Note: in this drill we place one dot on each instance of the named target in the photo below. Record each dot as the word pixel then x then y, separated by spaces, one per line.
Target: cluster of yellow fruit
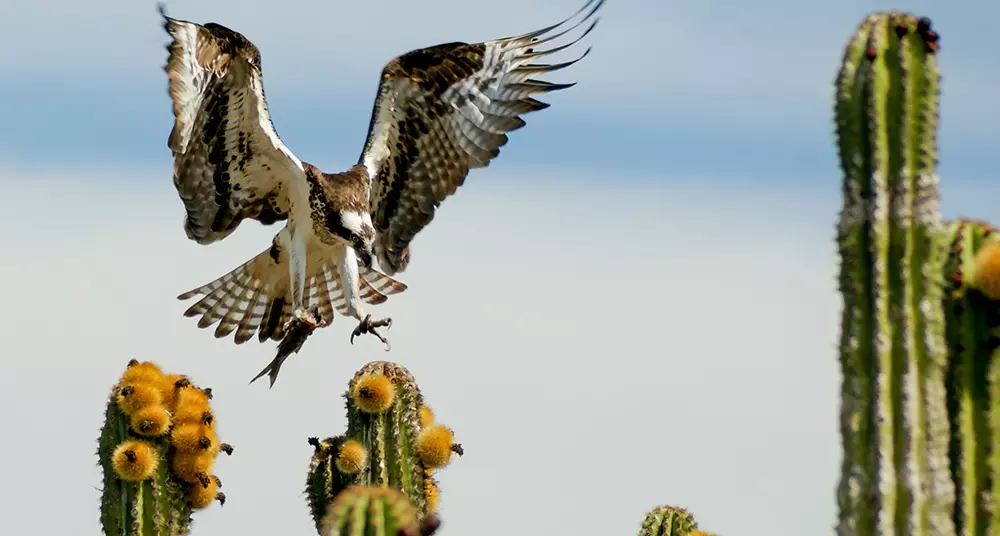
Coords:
pixel 434 444
pixel 159 404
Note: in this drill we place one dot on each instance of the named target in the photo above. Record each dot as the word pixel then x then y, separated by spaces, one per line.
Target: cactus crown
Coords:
pixel 157 450
pixel 391 441
pixel 668 521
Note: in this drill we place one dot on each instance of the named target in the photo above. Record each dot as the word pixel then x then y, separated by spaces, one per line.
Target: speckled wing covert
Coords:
pixel 229 162
pixel 443 110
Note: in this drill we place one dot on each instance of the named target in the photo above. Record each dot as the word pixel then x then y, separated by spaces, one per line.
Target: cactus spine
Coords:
pixel 391 441
pixel 141 442
pixel 668 521
pixel 893 356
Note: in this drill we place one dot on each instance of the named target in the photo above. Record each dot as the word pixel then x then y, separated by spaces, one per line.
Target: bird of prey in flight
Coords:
pixel 438 112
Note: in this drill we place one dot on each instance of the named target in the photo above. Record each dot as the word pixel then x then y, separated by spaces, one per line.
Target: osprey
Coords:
pixel 439 112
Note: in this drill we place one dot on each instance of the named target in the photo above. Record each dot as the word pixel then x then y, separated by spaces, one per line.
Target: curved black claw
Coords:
pixel 367 325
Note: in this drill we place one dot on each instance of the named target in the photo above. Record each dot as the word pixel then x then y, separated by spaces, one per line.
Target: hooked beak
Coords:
pixel 364 256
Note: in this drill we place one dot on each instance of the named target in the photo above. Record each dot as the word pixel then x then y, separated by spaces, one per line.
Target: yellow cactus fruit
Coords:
pixel 135 396
pixel 986 270
pixel 134 461
pixel 426 416
pixel 188 414
pixel 435 445
pixel 145 372
pixel 191 399
pixel 202 496
pixel 194 437
pixel 193 467
pixel 151 421
pixel 170 385
pixel 352 457
pixel 373 393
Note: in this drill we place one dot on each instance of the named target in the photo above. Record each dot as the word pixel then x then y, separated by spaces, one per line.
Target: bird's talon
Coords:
pixel 367 325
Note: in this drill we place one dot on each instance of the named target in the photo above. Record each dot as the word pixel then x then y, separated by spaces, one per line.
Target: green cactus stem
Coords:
pixel 894 413
pixel 668 521
pixel 972 321
pixel 142 495
pixel 380 445
pixel 375 511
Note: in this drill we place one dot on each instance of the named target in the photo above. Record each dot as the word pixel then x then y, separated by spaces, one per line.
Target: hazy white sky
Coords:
pixel 635 304
pixel 597 352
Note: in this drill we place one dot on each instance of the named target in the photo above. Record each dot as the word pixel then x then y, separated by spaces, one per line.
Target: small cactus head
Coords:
pixel 364 509
pixel 668 520
pixel 973 258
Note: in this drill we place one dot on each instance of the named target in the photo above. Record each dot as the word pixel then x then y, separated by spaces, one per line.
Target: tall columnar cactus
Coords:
pixel 157 450
pixel 375 511
pixel 894 424
pixel 668 521
pixel 391 441
pixel 973 317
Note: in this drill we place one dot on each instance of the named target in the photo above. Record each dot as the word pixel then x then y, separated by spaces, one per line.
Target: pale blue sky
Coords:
pixel 636 303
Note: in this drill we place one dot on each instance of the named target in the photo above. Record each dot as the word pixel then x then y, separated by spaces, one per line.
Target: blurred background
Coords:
pixel 635 304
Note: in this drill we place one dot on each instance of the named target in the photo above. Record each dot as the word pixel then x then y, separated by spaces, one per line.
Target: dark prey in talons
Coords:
pixel 298 329
pixel 367 325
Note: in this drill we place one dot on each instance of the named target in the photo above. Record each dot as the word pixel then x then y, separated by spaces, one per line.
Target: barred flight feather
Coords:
pixel 443 110
pixel 229 163
pixel 256 297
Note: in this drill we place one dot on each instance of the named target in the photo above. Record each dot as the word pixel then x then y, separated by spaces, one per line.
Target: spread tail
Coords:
pixel 256 296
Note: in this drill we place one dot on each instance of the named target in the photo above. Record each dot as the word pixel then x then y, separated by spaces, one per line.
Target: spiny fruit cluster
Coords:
pixel 392 440
pixel 169 406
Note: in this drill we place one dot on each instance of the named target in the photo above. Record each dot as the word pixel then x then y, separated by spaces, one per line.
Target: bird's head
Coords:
pixel 360 234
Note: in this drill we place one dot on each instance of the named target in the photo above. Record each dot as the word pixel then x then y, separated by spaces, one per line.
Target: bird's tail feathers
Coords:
pixel 253 297
pixel 256 297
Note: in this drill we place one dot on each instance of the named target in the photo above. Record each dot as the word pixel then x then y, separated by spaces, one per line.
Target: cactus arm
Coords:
pixel 411 472
pixel 972 339
pixel 992 430
pixel 894 417
pixel 855 281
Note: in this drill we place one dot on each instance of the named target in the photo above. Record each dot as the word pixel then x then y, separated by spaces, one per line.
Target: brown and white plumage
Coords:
pixel 442 111
pixel 439 112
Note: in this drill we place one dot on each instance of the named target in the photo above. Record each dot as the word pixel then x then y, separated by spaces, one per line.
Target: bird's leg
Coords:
pixel 350 282
pixel 368 325
pixel 297 279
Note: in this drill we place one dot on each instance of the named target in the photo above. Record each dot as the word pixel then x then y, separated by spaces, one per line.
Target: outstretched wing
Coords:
pixel 229 163
pixel 441 111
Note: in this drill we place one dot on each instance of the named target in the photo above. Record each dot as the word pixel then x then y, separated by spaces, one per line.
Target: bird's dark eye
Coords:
pixel 355 239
